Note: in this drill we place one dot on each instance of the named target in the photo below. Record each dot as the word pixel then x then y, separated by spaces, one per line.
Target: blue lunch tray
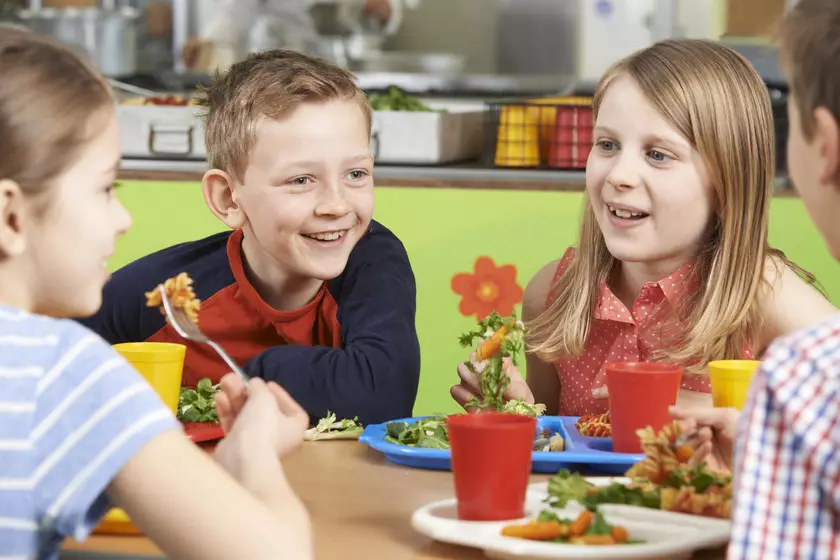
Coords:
pixel 581 453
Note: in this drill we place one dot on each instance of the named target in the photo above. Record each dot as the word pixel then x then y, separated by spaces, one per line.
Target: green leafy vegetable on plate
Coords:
pixel 427 433
pixel 330 427
pixel 566 486
pixel 197 405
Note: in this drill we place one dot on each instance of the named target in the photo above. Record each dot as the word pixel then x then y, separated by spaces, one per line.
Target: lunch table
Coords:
pixel 360 503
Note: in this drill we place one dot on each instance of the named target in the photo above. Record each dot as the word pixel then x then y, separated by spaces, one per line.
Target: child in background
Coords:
pixel 308 290
pixel 79 428
pixel 787 442
pixel 673 262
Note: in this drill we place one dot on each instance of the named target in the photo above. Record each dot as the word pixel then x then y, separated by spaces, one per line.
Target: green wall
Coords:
pixel 444 231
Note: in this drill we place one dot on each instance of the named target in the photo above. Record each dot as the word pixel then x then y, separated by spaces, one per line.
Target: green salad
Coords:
pixel 330 427
pixel 197 405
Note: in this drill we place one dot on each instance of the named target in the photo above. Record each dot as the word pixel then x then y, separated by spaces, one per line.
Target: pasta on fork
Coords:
pixel 180 292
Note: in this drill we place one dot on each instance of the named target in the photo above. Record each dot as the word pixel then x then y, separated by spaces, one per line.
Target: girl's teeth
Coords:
pixel 331 236
pixel 621 213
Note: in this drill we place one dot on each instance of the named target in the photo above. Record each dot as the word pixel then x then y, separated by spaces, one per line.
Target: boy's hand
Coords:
pixel 469 386
pixel 265 414
pixel 711 432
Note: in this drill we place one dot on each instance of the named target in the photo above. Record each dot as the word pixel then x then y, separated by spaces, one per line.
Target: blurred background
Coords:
pixel 456 55
pixel 552 39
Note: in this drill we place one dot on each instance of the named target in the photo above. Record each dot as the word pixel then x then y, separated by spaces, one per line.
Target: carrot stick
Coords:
pixel 581 524
pixel 536 531
pixel 493 345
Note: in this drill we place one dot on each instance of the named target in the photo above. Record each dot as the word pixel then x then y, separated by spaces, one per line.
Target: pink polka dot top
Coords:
pixel 619 334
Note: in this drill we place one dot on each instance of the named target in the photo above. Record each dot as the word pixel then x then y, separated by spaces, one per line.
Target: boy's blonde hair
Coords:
pixel 717 100
pixel 48 96
pixel 810 41
pixel 270 84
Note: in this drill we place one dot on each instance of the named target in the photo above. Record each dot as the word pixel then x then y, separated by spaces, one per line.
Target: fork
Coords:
pixel 186 328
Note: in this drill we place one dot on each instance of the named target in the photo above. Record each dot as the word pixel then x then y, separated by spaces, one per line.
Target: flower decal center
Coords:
pixel 488 288
pixel 488 291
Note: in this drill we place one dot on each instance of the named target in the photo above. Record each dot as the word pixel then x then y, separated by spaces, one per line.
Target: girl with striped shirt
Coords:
pixel 80 430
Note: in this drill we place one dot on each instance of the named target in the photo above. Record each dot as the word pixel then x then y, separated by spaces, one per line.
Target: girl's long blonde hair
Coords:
pixel 717 101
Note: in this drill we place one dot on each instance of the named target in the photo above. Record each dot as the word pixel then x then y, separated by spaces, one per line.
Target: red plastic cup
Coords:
pixel 491 464
pixel 640 394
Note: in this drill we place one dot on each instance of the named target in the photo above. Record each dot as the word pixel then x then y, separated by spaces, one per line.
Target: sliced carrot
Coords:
pixel 493 345
pixel 536 531
pixel 581 524
pixel 619 534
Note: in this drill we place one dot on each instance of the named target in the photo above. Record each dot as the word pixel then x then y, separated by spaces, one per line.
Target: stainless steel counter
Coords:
pixel 470 175
pixel 393 172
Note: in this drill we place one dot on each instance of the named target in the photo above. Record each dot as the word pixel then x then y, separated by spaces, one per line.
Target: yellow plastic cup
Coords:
pixel 161 364
pixel 518 137
pixel 731 381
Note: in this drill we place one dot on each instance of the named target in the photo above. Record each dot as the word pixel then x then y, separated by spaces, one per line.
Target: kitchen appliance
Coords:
pixel 107 35
pixel 609 30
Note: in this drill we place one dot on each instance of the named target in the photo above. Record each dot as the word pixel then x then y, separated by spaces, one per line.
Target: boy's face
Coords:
pixel 812 165
pixel 307 192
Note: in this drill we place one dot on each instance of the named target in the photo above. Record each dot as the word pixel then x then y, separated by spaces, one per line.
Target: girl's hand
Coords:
pixel 469 386
pixel 711 432
pixel 264 415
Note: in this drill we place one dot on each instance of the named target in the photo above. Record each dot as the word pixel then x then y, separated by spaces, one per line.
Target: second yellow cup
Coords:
pixel 161 364
pixel 730 381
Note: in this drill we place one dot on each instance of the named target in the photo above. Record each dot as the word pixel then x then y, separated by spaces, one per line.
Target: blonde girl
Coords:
pixel 673 262
pixel 80 430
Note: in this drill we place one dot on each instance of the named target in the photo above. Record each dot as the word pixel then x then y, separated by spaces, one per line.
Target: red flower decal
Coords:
pixel 489 288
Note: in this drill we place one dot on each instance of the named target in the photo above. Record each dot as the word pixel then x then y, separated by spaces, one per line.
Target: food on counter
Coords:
pixel 330 427
pixel 589 528
pixel 501 337
pixel 180 292
pixel 595 425
pixel 662 480
pixel 197 405
pixel 395 99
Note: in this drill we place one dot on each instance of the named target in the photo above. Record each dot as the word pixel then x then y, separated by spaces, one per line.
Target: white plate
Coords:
pixel 666 534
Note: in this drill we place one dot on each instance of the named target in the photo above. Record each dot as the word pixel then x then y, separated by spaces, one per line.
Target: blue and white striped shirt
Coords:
pixel 72 412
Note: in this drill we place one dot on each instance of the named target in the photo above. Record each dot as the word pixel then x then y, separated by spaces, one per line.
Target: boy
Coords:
pixel 307 290
pixel 787 501
pixel 787 448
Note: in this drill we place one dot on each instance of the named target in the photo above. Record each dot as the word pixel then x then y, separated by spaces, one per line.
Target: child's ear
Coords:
pixel 12 240
pixel 218 190
pixel 827 139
